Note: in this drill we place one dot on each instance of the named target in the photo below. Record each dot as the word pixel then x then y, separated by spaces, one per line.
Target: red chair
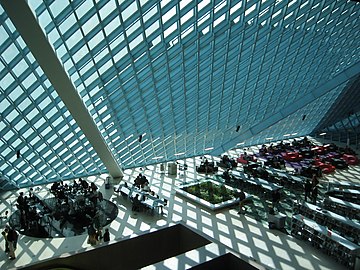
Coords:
pixel 325 167
pixel 292 156
pixel 350 159
pixel 242 160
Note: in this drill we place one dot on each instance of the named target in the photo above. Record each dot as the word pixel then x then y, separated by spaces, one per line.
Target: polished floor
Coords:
pixel 245 234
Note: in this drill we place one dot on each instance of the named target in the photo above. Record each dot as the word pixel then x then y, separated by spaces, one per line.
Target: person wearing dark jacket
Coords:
pixel 308 188
pixel 106 235
pixel 12 237
pixel 314 194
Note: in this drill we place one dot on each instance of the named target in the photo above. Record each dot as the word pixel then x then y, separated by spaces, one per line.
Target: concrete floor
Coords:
pixel 244 234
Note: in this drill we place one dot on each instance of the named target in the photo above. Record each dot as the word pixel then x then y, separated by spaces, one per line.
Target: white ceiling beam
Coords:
pixel 25 22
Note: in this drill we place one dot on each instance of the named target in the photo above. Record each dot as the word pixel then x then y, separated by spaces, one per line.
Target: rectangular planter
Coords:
pixel 203 202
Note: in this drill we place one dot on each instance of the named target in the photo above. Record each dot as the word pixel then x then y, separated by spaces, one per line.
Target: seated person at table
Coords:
pixel 146 187
pixel 246 156
pixel 262 172
pixel 226 175
pixel 136 203
pixel 206 162
pixel 226 160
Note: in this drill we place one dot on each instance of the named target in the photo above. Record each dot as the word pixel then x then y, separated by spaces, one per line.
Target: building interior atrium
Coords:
pixel 105 90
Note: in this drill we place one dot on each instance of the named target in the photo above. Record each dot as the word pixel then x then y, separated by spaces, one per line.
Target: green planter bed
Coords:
pixel 209 193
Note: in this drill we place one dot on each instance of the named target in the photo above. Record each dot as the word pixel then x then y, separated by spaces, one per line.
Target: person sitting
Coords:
pixel 246 157
pixel 136 203
pixel 146 187
pixel 226 160
pixel 206 162
pixel 226 175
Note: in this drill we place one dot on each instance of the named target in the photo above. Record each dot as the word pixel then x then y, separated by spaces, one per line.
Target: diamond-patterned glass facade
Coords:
pixel 170 79
pixel 40 140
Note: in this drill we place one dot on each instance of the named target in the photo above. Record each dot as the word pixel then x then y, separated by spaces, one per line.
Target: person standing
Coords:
pixel 308 188
pixel 12 241
pixel 314 194
pixel 276 196
pixel 314 180
pixel 4 234
pixel 242 200
pixel 106 236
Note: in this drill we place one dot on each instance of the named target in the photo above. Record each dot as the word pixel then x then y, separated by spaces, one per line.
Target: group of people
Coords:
pixel 143 185
pixel 63 191
pixel 206 166
pixel 228 162
pixel 11 237
pixel 141 181
pixel 311 189
pixel 95 235
pixel 27 208
pixel 77 201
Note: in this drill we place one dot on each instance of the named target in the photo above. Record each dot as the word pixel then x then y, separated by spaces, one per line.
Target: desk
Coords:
pixel 256 181
pixel 145 198
pixel 153 202
pixel 300 180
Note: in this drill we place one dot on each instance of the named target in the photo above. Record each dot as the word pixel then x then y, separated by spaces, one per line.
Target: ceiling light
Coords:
pixel 158 157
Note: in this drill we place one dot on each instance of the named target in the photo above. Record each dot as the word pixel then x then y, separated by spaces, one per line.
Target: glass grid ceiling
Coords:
pixel 35 121
pixel 347 125
pixel 184 74
pixel 298 124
